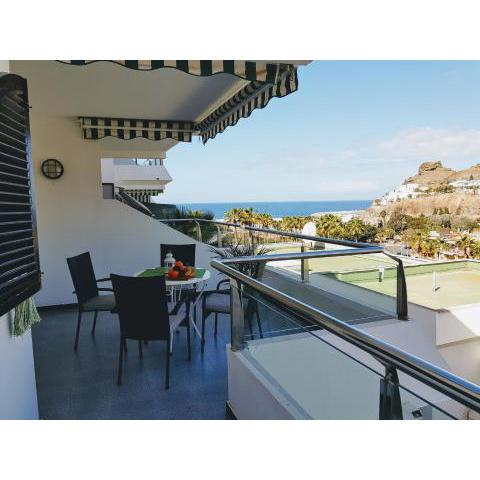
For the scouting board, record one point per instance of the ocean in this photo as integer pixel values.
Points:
(282, 209)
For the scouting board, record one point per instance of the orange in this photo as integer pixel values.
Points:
(173, 274)
(179, 263)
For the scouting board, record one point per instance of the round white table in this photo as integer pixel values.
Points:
(175, 288)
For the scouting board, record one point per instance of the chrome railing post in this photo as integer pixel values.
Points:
(305, 268)
(402, 301)
(199, 231)
(252, 241)
(390, 402)
(237, 317)
(219, 237)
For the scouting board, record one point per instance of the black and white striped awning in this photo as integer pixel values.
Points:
(95, 128)
(267, 80)
(242, 104)
(142, 195)
(249, 70)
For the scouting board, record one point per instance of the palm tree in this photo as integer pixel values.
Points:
(416, 240)
(467, 244)
(431, 247)
(190, 228)
(242, 250)
(329, 226)
(354, 229)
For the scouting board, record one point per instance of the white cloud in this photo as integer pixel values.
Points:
(309, 171)
(457, 148)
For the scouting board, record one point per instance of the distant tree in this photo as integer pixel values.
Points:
(398, 222)
(418, 223)
(329, 226)
(359, 231)
(384, 234)
(467, 244)
(383, 215)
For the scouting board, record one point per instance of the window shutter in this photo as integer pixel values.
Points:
(19, 263)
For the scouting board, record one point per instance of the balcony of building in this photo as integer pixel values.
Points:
(295, 342)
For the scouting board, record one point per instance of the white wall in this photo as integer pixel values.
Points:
(72, 216)
(18, 395)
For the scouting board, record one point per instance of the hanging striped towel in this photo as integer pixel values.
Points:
(24, 317)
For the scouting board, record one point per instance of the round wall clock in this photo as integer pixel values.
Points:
(52, 168)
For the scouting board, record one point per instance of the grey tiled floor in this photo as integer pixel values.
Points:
(83, 385)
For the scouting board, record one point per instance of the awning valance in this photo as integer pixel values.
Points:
(95, 128)
(249, 70)
(241, 105)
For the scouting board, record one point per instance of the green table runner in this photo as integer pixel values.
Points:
(162, 272)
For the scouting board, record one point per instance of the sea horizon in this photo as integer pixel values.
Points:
(280, 208)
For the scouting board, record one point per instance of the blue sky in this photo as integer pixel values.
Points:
(353, 130)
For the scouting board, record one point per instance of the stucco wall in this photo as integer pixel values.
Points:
(72, 216)
(18, 395)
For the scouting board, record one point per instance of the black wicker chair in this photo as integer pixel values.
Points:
(142, 308)
(87, 290)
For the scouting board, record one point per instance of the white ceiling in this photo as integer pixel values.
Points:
(109, 90)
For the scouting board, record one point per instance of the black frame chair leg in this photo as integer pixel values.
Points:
(125, 345)
(120, 361)
(94, 322)
(167, 365)
(216, 325)
(140, 349)
(77, 333)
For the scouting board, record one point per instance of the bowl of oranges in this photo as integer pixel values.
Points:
(181, 272)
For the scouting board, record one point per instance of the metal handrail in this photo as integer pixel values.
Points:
(455, 387)
(301, 255)
(401, 297)
(334, 241)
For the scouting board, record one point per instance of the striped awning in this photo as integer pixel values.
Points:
(249, 70)
(95, 128)
(267, 80)
(142, 195)
(241, 105)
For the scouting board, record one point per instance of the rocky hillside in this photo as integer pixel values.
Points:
(430, 174)
(435, 174)
(459, 203)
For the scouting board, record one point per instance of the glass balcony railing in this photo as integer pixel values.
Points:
(312, 352)
(327, 368)
(323, 377)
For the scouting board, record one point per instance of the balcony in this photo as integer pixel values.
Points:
(306, 341)
(135, 173)
(309, 354)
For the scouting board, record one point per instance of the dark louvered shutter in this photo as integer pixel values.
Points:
(19, 264)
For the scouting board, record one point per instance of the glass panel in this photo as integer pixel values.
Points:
(316, 375)
(417, 408)
(366, 284)
(307, 374)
